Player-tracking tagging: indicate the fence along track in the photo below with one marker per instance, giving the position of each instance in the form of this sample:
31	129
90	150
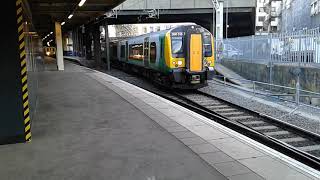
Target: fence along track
298	47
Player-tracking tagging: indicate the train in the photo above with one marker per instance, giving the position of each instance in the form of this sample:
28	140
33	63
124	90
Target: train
180	58
50	51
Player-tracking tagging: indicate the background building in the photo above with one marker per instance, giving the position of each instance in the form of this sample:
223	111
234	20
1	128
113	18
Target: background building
268	16
128	30
300	14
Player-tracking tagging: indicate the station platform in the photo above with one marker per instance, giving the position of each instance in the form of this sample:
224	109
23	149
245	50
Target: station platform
90	125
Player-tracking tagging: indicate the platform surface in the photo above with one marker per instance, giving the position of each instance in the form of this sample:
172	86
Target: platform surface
90	125
84	130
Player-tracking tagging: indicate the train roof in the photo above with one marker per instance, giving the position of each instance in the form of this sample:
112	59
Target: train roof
162	32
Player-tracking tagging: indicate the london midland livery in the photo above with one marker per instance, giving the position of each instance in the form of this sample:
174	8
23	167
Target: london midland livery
181	57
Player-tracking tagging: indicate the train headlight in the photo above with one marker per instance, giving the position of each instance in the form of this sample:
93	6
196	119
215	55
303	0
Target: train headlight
173	62
48	53
179	63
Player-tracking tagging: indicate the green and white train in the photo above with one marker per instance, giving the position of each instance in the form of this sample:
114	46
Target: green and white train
180	58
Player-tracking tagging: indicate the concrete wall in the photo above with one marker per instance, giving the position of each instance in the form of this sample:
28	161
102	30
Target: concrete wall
180	4
282	75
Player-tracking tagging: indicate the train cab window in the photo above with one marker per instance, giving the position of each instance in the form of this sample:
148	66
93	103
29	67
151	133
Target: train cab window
177	47
136	51
153	52
207	44
123	51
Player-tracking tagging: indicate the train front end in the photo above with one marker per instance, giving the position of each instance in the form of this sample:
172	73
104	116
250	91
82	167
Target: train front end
189	56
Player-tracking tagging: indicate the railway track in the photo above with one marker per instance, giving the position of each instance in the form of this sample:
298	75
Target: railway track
293	141
283	132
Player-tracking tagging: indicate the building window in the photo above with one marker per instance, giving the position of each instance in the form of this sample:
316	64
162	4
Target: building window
151	29
261	9
273	9
259	29
314	8
136	51
262	1
273	19
261	18
153	52
274	28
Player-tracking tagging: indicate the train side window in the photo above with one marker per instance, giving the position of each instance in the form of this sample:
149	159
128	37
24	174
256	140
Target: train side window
207	44
136	51
123	51
153	52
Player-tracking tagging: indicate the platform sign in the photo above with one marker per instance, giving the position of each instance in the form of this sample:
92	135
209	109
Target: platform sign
13	108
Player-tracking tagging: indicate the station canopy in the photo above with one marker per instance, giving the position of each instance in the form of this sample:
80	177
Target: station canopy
46	12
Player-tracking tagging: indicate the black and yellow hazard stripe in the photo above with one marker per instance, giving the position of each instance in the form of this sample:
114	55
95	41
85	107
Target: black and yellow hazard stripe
24	77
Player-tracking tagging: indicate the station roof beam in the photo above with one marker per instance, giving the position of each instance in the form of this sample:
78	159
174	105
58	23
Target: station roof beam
46	12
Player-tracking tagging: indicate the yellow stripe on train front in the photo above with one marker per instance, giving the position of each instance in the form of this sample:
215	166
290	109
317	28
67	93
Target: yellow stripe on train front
196	52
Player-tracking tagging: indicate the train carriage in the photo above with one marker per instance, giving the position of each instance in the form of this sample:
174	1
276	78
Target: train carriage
182	57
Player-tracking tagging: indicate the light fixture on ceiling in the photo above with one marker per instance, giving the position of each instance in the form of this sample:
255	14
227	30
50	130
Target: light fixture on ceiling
70	16
82	2
63	23
51	32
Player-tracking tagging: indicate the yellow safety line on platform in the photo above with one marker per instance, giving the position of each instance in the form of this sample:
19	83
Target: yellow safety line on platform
24	77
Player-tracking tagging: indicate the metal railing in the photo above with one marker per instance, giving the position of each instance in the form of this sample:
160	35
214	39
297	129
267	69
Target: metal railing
301	47
289	94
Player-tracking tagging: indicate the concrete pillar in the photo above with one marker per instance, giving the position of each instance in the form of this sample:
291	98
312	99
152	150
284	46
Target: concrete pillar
212	27
88	42
73	42
213	21
81	34
77	42
13	76
59	50
219	21
97	46
107	49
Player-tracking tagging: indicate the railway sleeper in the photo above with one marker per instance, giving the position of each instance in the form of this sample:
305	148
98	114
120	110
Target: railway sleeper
241	117
253	122
209	104
268	127
225	110
217	106
231	113
276	133
309	148
293	139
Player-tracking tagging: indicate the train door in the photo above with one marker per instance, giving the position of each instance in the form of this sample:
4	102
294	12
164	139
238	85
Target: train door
195	52
146	52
